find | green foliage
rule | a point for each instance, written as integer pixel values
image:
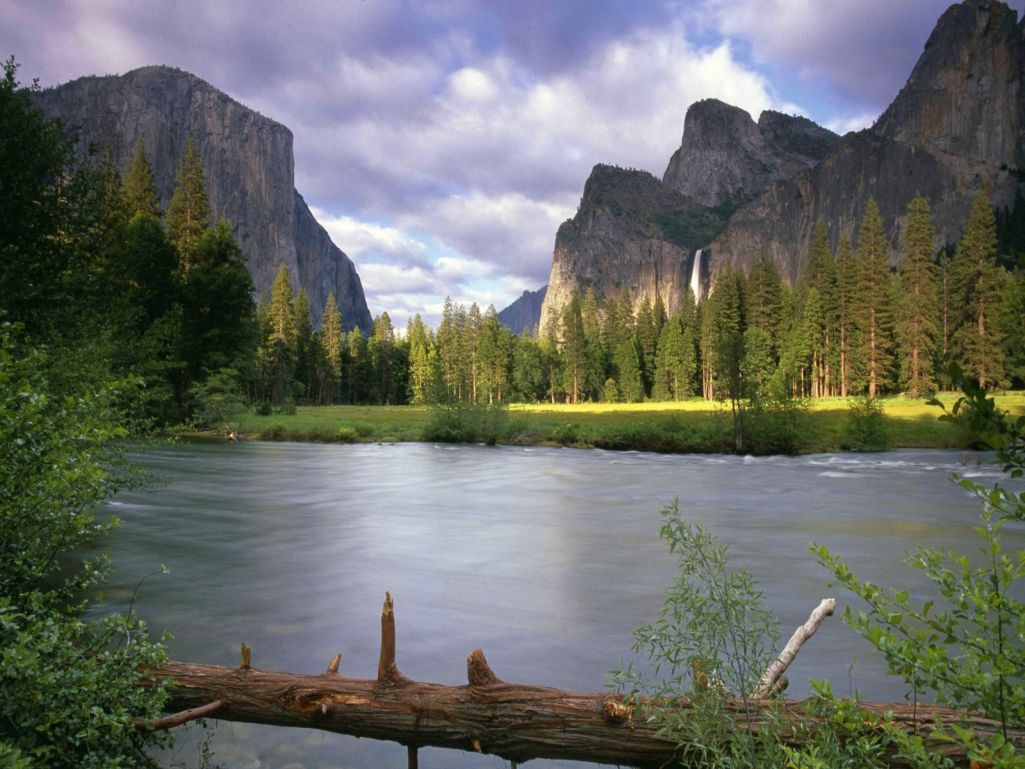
(218, 401)
(188, 212)
(461, 422)
(776, 423)
(966, 645)
(139, 186)
(711, 643)
(68, 690)
(865, 426)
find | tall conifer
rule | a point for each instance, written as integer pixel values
(917, 329)
(978, 284)
(188, 213)
(140, 188)
(872, 311)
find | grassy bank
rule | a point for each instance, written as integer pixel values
(694, 425)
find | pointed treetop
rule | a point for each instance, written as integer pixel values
(188, 213)
(139, 187)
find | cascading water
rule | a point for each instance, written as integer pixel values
(695, 275)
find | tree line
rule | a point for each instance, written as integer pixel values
(94, 270)
(851, 325)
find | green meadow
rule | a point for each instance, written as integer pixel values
(692, 425)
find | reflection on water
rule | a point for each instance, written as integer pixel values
(545, 558)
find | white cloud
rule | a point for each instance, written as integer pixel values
(360, 239)
(854, 123)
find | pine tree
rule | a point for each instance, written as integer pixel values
(917, 309)
(217, 304)
(597, 357)
(281, 344)
(978, 286)
(421, 371)
(139, 187)
(357, 372)
(846, 291)
(764, 294)
(573, 349)
(380, 347)
(304, 369)
(188, 213)
(332, 340)
(627, 363)
(872, 311)
(820, 273)
(813, 341)
(758, 366)
(647, 341)
(674, 374)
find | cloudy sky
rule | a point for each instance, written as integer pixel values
(442, 142)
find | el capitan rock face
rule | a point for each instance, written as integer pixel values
(956, 127)
(248, 166)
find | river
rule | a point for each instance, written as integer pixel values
(546, 558)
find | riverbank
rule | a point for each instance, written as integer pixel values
(687, 426)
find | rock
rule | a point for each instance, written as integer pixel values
(956, 127)
(248, 165)
(630, 232)
(725, 158)
(525, 312)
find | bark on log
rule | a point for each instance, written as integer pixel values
(516, 722)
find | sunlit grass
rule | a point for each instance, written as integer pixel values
(690, 425)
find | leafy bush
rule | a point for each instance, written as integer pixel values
(967, 644)
(711, 643)
(459, 422)
(68, 689)
(865, 426)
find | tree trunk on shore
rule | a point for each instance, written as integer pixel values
(515, 721)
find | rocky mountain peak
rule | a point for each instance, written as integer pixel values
(726, 158)
(248, 165)
(964, 97)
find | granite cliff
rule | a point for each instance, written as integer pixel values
(525, 312)
(957, 126)
(248, 164)
(725, 157)
(744, 188)
(633, 232)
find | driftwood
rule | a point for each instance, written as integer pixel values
(515, 721)
(771, 677)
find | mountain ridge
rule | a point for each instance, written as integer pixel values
(248, 165)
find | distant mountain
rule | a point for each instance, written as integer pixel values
(631, 232)
(248, 164)
(956, 127)
(525, 312)
(744, 188)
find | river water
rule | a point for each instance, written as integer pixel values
(546, 558)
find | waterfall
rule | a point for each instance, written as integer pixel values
(695, 276)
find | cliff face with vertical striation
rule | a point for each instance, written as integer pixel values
(525, 312)
(248, 164)
(725, 157)
(956, 127)
(630, 232)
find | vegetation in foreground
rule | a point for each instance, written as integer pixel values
(963, 646)
(826, 424)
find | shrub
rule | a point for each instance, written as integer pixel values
(865, 426)
(68, 689)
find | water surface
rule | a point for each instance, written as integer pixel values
(546, 558)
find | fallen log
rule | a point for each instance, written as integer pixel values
(514, 721)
